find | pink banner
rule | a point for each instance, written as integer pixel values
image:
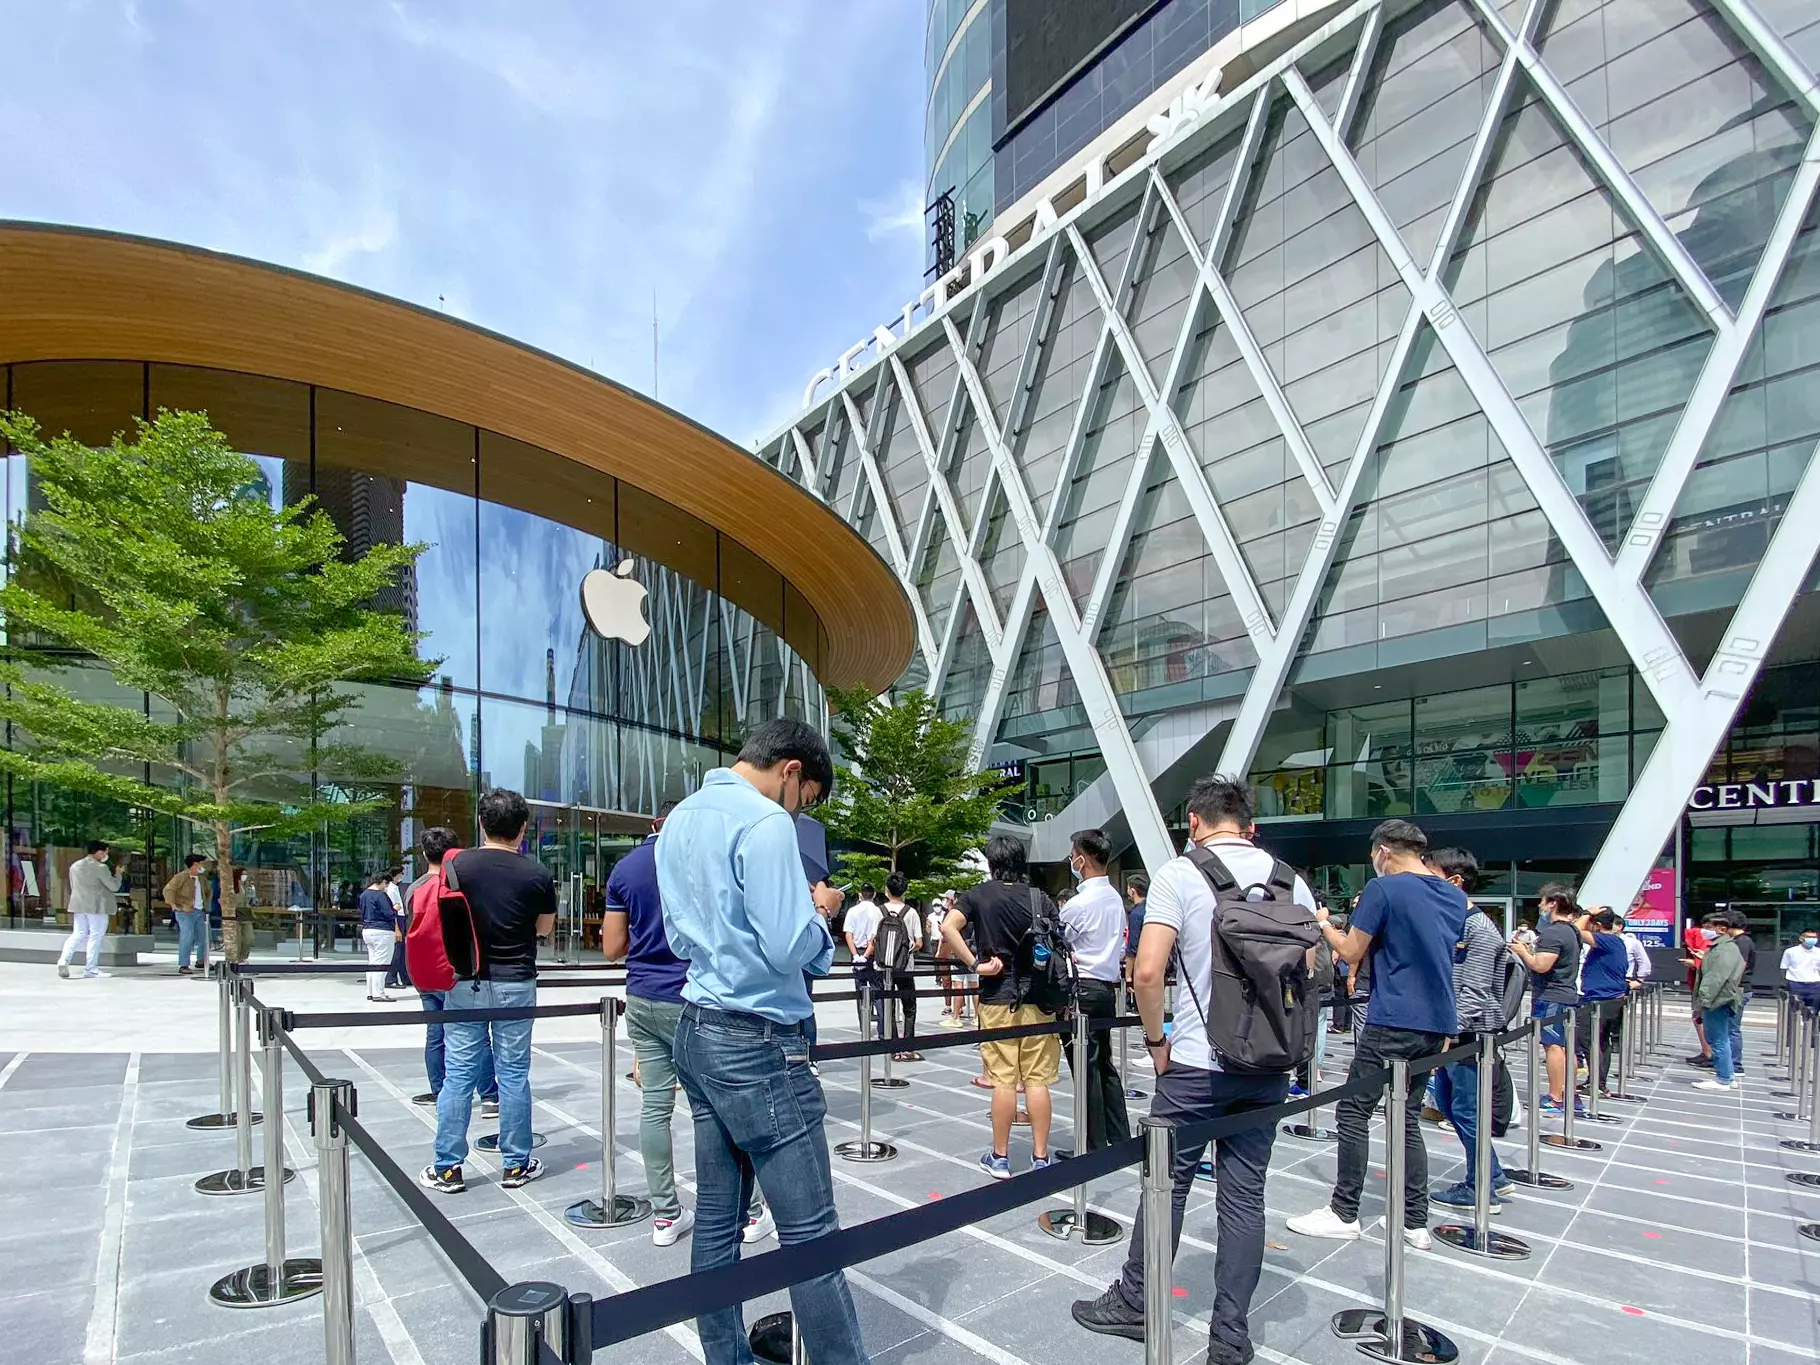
(1652, 915)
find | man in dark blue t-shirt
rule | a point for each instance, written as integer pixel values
(1408, 922)
(632, 927)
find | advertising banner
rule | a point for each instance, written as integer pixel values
(1652, 915)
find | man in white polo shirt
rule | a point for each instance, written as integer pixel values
(1094, 924)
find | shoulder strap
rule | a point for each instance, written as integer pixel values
(449, 879)
(1282, 877)
(1036, 904)
(1213, 869)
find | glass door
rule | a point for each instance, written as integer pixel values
(1503, 911)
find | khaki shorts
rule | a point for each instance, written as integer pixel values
(1036, 1060)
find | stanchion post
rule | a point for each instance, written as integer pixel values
(1781, 1024)
(1570, 1096)
(890, 990)
(245, 1177)
(1479, 1239)
(1595, 1063)
(328, 1101)
(613, 1209)
(1534, 1176)
(1800, 1038)
(1159, 1255)
(1127, 1005)
(521, 1320)
(1810, 1063)
(223, 1117)
(1095, 1228)
(865, 1149)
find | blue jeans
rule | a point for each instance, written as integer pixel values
(1457, 1089)
(1738, 1032)
(1552, 1013)
(758, 1117)
(192, 937)
(486, 1084)
(1720, 1024)
(466, 1047)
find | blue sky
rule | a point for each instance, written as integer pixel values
(541, 166)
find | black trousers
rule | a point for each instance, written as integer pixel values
(1611, 1025)
(1373, 1049)
(900, 1006)
(865, 974)
(1108, 1121)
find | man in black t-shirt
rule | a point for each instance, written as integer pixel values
(1554, 983)
(1002, 913)
(514, 903)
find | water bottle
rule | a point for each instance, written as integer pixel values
(1040, 954)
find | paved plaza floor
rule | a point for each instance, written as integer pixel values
(1677, 1243)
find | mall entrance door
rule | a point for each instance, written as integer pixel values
(1503, 910)
(578, 846)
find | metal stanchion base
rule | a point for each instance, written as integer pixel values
(1420, 1341)
(220, 1120)
(591, 1213)
(770, 1338)
(1626, 1099)
(253, 1287)
(1572, 1144)
(1597, 1118)
(489, 1142)
(865, 1151)
(1538, 1180)
(232, 1182)
(1096, 1229)
(1496, 1246)
(1799, 1145)
(1811, 1231)
(1788, 1116)
(1310, 1132)
(1132, 1094)
(1807, 1178)
(889, 1082)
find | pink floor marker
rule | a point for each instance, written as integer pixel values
(935, 1194)
(1662, 1182)
(1634, 1312)
(1179, 1292)
(1654, 1236)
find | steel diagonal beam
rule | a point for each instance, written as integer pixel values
(1363, 56)
(882, 506)
(811, 477)
(1218, 534)
(1100, 702)
(1772, 51)
(1657, 235)
(1628, 610)
(1695, 731)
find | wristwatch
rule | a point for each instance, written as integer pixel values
(1154, 1043)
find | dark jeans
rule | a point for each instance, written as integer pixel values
(1107, 1119)
(1611, 1023)
(435, 1065)
(1806, 993)
(900, 1007)
(1375, 1046)
(1458, 1091)
(758, 1118)
(1185, 1096)
(865, 974)
(398, 974)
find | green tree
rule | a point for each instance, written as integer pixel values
(906, 799)
(161, 559)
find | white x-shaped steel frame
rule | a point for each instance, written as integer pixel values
(1698, 708)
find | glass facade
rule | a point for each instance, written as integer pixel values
(957, 123)
(1270, 498)
(525, 694)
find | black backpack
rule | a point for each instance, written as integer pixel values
(1051, 963)
(891, 948)
(1263, 1008)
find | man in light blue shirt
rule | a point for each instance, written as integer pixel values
(738, 910)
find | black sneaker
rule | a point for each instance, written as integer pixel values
(1697, 1061)
(1110, 1315)
(489, 1109)
(522, 1175)
(424, 1101)
(443, 1182)
(1223, 1352)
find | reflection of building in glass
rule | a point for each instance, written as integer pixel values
(1186, 480)
(368, 509)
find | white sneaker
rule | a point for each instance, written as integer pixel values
(94, 975)
(1712, 1083)
(1417, 1239)
(759, 1228)
(1324, 1222)
(665, 1231)
(63, 970)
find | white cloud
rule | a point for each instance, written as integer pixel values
(901, 213)
(375, 232)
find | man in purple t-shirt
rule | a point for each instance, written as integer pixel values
(632, 927)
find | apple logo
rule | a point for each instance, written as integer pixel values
(614, 604)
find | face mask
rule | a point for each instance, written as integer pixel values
(1074, 871)
(1808, 941)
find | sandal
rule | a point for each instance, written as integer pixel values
(983, 1082)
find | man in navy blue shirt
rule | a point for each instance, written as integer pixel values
(632, 927)
(1408, 921)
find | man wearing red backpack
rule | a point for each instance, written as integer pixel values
(437, 843)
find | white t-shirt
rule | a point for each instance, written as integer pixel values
(1181, 898)
(862, 924)
(1802, 965)
(1094, 924)
(913, 922)
(934, 937)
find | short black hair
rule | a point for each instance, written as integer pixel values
(1738, 919)
(437, 842)
(1218, 798)
(1456, 862)
(1605, 919)
(99, 846)
(1400, 836)
(503, 813)
(868, 892)
(379, 875)
(1007, 858)
(1139, 883)
(896, 884)
(1093, 845)
(779, 741)
(1716, 919)
(190, 860)
(1619, 921)
(1562, 894)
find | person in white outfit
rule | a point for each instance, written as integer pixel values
(93, 886)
